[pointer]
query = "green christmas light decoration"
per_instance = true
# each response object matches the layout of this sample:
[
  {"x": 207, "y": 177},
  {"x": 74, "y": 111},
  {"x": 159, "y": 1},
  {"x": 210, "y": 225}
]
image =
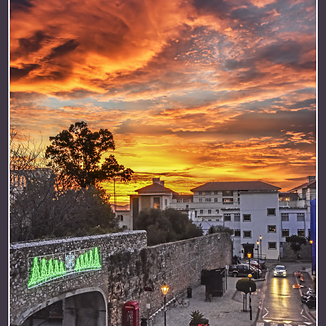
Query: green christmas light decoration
[
  {"x": 89, "y": 261},
  {"x": 44, "y": 270}
]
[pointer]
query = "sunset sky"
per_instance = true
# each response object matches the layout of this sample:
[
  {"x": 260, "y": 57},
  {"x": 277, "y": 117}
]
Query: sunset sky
[{"x": 193, "y": 91}]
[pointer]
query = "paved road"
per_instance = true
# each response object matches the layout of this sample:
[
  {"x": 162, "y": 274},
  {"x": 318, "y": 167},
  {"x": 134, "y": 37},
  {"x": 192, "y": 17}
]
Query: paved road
[{"x": 282, "y": 304}]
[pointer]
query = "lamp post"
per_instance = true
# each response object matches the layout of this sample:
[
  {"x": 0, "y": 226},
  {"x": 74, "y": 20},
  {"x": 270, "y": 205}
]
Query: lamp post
[
  {"x": 250, "y": 308},
  {"x": 260, "y": 246},
  {"x": 257, "y": 242},
  {"x": 312, "y": 258},
  {"x": 165, "y": 290},
  {"x": 249, "y": 256}
]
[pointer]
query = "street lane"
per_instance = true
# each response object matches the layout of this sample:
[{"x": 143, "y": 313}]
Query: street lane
[{"x": 282, "y": 302}]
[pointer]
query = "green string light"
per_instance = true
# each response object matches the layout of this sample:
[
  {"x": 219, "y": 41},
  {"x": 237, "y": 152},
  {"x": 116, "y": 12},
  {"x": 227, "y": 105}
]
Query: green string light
[{"x": 44, "y": 270}]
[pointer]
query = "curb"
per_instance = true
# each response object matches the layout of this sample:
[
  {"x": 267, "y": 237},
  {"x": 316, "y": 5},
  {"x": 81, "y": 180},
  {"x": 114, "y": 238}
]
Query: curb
[{"x": 305, "y": 308}]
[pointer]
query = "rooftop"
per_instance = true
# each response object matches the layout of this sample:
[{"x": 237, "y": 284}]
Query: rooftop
[{"x": 236, "y": 185}]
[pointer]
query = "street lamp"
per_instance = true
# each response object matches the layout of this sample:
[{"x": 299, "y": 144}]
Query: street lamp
[
  {"x": 260, "y": 245},
  {"x": 257, "y": 242},
  {"x": 250, "y": 308},
  {"x": 165, "y": 290},
  {"x": 312, "y": 259},
  {"x": 249, "y": 256}
]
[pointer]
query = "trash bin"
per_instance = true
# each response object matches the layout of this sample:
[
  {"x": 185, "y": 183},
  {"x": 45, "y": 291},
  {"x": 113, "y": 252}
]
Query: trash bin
[
  {"x": 214, "y": 282},
  {"x": 143, "y": 322},
  {"x": 189, "y": 292}
]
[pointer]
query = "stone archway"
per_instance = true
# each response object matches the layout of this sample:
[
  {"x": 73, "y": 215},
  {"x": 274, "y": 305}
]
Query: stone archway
[
  {"x": 83, "y": 307},
  {"x": 86, "y": 309}
]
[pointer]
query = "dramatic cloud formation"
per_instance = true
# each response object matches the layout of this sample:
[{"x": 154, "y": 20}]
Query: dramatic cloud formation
[{"x": 193, "y": 90}]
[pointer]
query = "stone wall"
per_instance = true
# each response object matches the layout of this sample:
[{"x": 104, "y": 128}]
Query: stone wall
[
  {"x": 128, "y": 266},
  {"x": 178, "y": 264}
]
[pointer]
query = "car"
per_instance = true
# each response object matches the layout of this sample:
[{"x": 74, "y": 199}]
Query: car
[
  {"x": 243, "y": 270},
  {"x": 280, "y": 270},
  {"x": 257, "y": 263}
]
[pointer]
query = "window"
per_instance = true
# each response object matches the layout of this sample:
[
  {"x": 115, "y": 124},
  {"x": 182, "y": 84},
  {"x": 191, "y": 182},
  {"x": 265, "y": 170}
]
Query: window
[
  {"x": 208, "y": 199},
  {"x": 300, "y": 217},
  {"x": 217, "y": 211},
  {"x": 272, "y": 245},
  {"x": 215, "y": 192},
  {"x": 121, "y": 217},
  {"x": 227, "y": 193},
  {"x": 271, "y": 228},
  {"x": 247, "y": 234},
  {"x": 237, "y": 233},
  {"x": 301, "y": 233},
  {"x": 215, "y": 200},
  {"x": 237, "y": 217},
  {"x": 227, "y": 200},
  {"x": 199, "y": 193},
  {"x": 271, "y": 211},
  {"x": 201, "y": 211},
  {"x": 200, "y": 200},
  {"x": 195, "y": 213},
  {"x": 285, "y": 217},
  {"x": 246, "y": 217},
  {"x": 227, "y": 217},
  {"x": 166, "y": 202},
  {"x": 209, "y": 211},
  {"x": 285, "y": 233},
  {"x": 157, "y": 202}
]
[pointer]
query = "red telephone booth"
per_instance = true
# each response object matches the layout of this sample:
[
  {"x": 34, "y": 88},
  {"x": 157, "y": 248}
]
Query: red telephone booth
[{"x": 130, "y": 314}]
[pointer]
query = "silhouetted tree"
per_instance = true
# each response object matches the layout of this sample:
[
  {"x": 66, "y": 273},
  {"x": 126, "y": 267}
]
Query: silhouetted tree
[
  {"x": 296, "y": 242},
  {"x": 41, "y": 212},
  {"x": 76, "y": 155},
  {"x": 219, "y": 228},
  {"x": 166, "y": 226},
  {"x": 39, "y": 209}
]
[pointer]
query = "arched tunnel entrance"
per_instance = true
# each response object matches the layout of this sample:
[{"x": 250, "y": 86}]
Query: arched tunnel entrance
[{"x": 84, "y": 309}]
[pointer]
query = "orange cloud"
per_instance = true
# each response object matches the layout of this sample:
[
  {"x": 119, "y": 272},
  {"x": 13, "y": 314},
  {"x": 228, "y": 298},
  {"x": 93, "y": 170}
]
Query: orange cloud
[{"x": 192, "y": 91}]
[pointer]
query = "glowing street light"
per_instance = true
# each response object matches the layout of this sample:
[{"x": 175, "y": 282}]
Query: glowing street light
[
  {"x": 249, "y": 256},
  {"x": 165, "y": 290},
  {"x": 261, "y": 249},
  {"x": 312, "y": 259}
]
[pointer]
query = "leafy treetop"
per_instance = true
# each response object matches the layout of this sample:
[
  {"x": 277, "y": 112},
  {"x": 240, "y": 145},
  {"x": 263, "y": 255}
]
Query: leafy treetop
[{"x": 76, "y": 157}]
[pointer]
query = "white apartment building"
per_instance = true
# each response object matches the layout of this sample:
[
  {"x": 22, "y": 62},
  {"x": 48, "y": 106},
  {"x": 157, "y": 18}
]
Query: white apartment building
[{"x": 255, "y": 210}]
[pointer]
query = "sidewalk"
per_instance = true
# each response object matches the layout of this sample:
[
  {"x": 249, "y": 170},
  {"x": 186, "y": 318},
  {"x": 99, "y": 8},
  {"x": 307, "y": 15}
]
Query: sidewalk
[{"x": 225, "y": 310}]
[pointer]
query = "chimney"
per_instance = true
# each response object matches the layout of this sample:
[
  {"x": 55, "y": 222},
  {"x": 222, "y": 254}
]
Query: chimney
[
  {"x": 158, "y": 181},
  {"x": 311, "y": 178}
]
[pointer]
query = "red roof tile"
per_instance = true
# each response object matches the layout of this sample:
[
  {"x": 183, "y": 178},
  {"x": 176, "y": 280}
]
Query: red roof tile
[
  {"x": 155, "y": 188},
  {"x": 305, "y": 185}
]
